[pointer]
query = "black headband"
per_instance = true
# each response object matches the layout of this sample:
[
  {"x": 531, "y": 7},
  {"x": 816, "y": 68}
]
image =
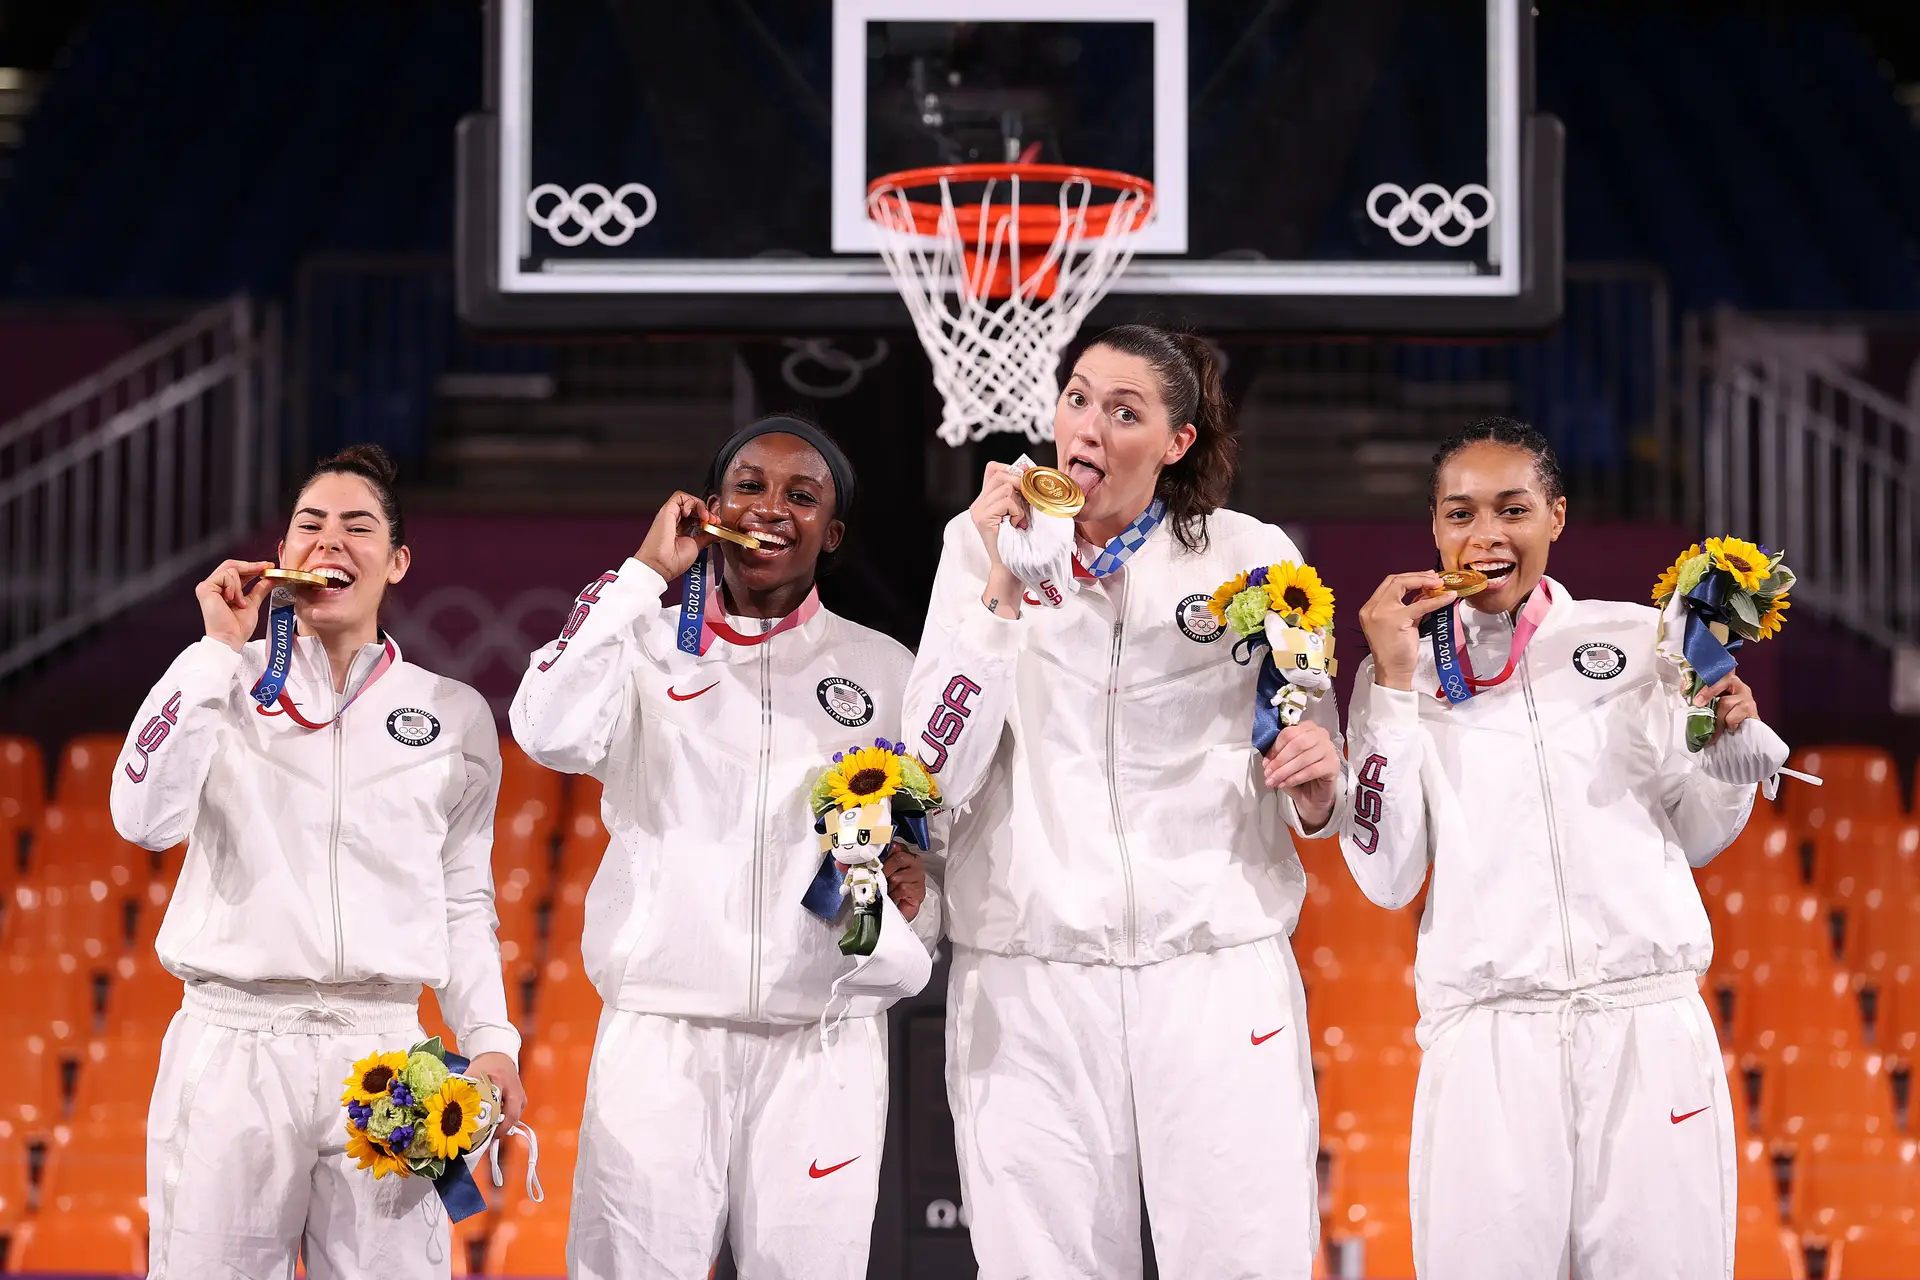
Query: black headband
[{"x": 779, "y": 424}]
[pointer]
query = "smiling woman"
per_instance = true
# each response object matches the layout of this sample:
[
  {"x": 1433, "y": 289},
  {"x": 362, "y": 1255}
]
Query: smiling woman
[
  {"x": 337, "y": 806},
  {"x": 702, "y": 681},
  {"x": 1527, "y": 748}
]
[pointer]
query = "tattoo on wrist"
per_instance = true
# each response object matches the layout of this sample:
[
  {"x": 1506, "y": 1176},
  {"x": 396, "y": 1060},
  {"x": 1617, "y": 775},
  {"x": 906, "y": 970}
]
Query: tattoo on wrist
[{"x": 993, "y": 605}]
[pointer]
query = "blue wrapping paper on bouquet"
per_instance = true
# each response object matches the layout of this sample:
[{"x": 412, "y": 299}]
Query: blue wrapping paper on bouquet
[{"x": 1712, "y": 600}]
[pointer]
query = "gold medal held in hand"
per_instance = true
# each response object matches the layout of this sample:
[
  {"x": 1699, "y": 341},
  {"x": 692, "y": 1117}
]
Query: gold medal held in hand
[
  {"x": 295, "y": 577},
  {"x": 1462, "y": 582},
  {"x": 1051, "y": 492},
  {"x": 734, "y": 536}
]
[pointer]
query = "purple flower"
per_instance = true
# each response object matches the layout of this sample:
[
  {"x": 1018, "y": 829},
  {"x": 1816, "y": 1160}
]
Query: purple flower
[
  {"x": 401, "y": 1095},
  {"x": 358, "y": 1113},
  {"x": 1257, "y": 577},
  {"x": 400, "y": 1139},
  {"x": 838, "y": 756}
]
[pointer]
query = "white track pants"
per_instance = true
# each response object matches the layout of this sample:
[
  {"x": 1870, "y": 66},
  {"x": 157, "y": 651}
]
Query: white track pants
[
  {"x": 1595, "y": 1134},
  {"x": 695, "y": 1127},
  {"x": 1071, "y": 1085},
  {"x": 246, "y": 1139}
]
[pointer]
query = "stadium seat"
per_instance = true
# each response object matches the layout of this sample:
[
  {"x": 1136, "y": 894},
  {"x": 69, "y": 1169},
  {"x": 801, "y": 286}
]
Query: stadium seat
[
  {"x": 1841, "y": 1182},
  {"x": 23, "y": 782},
  {"x": 522, "y": 854},
  {"x": 44, "y": 992},
  {"x": 527, "y": 791},
  {"x": 85, "y": 777},
  {"x": 1897, "y": 1001},
  {"x": 97, "y": 1167},
  {"x": 152, "y": 914},
  {"x": 142, "y": 997},
  {"x": 556, "y": 1078},
  {"x": 432, "y": 1021},
  {"x": 1803, "y": 1003},
  {"x": 1369, "y": 1089},
  {"x": 1863, "y": 863},
  {"x": 582, "y": 844},
  {"x": 1844, "y": 1093},
  {"x": 527, "y": 1246},
  {"x": 567, "y": 919},
  {"x": 1859, "y": 782},
  {"x": 1879, "y": 1253},
  {"x": 30, "y": 1100},
  {"x": 583, "y": 796},
  {"x": 1779, "y": 926},
  {"x": 565, "y": 1004},
  {"x": 1368, "y": 1197},
  {"x": 74, "y": 841},
  {"x": 1763, "y": 857},
  {"x": 116, "y": 1079},
  {"x": 1761, "y": 1248},
  {"x": 113, "y": 1243},
  {"x": 517, "y": 907},
  {"x": 13, "y": 1176}
]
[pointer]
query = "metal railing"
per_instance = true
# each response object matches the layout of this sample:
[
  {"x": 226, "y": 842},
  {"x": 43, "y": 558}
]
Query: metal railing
[
  {"x": 123, "y": 481},
  {"x": 1804, "y": 456}
]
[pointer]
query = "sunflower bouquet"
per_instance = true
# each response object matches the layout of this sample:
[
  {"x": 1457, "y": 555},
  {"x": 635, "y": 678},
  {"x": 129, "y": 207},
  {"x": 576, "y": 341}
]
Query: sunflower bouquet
[
  {"x": 414, "y": 1114},
  {"x": 1712, "y": 599},
  {"x": 856, "y": 803},
  {"x": 1288, "y": 610}
]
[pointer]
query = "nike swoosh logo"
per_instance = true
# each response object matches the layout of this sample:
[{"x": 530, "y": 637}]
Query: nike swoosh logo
[
  {"x": 1690, "y": 1115},
  {"x": 1260, "y": 1040},
  {"x": 815, "y": 1171},
  {"x": 689, "y": 697}
]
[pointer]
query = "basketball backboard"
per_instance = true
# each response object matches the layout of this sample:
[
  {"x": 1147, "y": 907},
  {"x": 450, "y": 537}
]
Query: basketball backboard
[{"x": 1325, "y": 165}]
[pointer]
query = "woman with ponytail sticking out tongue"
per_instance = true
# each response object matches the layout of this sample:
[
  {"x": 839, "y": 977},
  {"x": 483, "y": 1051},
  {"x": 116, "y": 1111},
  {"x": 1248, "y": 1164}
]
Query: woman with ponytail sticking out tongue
[
  {"x": 1124, "y": 1011},
  {"x": 716, "y": 1101},
  {"x": 1528, "y": 746},
  {"x": 337, "y": 802}
]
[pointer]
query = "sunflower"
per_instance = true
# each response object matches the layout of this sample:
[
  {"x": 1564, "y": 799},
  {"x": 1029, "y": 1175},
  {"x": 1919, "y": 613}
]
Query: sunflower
[
  {"x": 1224, "y": 595},
  {"x": 372, "y": 1155},
  {"x": 1774, "y": 618},
  {"x": 453, "y": 1115},
  {"x": 371, "y": 1077},
  {"x": 1670, "y": 578},
  {"x": 1297, "y": 590},
  {"x": 1747, "y": 563},
  {"x": 864, "y": 776}
]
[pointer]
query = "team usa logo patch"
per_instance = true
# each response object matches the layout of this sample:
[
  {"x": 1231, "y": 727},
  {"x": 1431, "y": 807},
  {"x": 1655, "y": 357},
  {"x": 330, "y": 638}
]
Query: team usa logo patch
[
  {"x": 845, "y": 701},
  {"x": 412, "y": 727},
  {"x": 1196, "y": 620},
  {"x": 1599, "y": 660}
]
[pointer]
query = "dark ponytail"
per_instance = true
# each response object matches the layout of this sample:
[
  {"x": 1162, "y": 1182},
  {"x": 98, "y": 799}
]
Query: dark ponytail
[
  {"x": 1190, "y": 387},
  {"x": 376, "y": 466}
]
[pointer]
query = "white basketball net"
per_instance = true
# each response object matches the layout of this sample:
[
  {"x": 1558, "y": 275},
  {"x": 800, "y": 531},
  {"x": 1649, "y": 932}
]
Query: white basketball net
[{"x": 994, "y": 359}]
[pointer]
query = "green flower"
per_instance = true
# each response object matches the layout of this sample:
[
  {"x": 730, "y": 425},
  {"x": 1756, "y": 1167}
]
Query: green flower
[
  {"x": 822, "y": 798},
  {"x": 419, "y": 1148},
  {"x": 386, "y": 1118},
  {"x": 914, "y": 779},
  {"x": 424, "y": 1074},
  {"x": 1692, "y": 571},
  {"x": 1247, "y": 612}
]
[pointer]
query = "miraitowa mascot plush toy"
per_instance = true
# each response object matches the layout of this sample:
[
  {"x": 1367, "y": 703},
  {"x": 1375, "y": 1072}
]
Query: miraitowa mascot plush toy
[
  {"x": 1286, "y": 608},
  {"x": 858, "y": 803}
]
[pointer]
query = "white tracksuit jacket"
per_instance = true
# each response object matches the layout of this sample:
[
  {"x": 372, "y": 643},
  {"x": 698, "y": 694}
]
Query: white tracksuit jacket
[
  {"x": 707, "y": 763},
  {"x": 354, "y": 854},
  {"x": 1117, "y": 809},
  {"x": 1561, "y": 811}
]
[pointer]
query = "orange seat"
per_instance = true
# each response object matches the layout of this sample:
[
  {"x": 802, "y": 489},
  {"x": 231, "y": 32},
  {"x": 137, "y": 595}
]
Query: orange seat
[
  {"x": 583, "y": 796},
  {"x": 23, "y": 781},
  {"x": 1884, "y": 940},
  {"x": 527, "y": 790},
  {"x": 1367, "y": 1172},
  {"x": 1763, "y": 857},
  {"x": 565, "y": 1003},
  {"x": 116, "y": 1080},
  {"x": 1803, "y": 1003},
  {"x": 1844, "y": 1093},
  {"x": 582, "y": 844},
  {"x": 152, "y": 913},
  {"x": 1860, "y": 1181},
  {"x": 1367, "y": 1090},
  {"x": 80, "y": 1241},
  {"x": 523, "y": 854},
  {"x": 142, "y": 998},
  {"x": 13, "y": 1177},
  {"x": 567, "y": 919},
  {"x": 99, "y": 1167},
  {"x": 527, "y": 1246},
  {"x": 556, "y": 1078},
  {"x": 30, "y": 1097},
  {"x": 1369, "y": 1006},
  {"x": 1762, "y": 1246},
  {"x": 75, "y": 842},
  {"x": 85, "y": 778},
  {"x": 45, "y": 992},
  {"x": 431, "y": 1020},
  {"x": 516, "y": 904},
  {"x": 1880, "y": 1253},
  {"x": 86, "y": 917},
  {"x": 1778, "y": 926},
  {"x": 1897, "y": 1001},
  {"x": 1859, "y": 782},
  {"x": 1868, "y": 863}
]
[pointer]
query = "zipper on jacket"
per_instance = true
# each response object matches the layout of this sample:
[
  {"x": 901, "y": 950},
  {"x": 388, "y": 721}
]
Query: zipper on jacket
[
  {"x": 759, "y": 827},
  {"x": 1546, "y": 798},
  {"x": 333, "y": 838},
  {"x": 1113, "y": 761}
]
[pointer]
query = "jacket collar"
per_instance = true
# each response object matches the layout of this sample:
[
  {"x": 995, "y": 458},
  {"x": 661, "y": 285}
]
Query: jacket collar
[
  {"x": 1485, "y": 627},
  {"x": 310, "y": 659}
]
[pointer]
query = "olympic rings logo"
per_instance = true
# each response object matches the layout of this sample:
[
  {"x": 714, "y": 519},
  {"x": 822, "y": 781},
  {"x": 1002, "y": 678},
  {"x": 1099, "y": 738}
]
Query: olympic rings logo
[
  {"x": 848, "y": 368},
  {"x": 592, "y": 207},
  {"x": 1433, "y": 210}
]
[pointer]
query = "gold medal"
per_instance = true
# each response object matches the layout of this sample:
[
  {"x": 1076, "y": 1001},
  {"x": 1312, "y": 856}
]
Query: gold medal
[
  {"x": 1051, "y": 492},
  {"x": 1462, "y": 582},
  {"x": 299, "y": 577},
  {"x": 734, "y": 536}
]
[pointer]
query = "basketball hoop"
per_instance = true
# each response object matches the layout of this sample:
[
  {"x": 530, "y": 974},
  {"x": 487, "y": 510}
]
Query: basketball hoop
[{"x": 998, "y": 287}]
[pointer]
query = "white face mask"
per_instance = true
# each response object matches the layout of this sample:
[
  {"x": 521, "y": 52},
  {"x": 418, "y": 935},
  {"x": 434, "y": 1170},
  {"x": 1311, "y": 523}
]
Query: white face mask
[{"x": 899, "y": 967}]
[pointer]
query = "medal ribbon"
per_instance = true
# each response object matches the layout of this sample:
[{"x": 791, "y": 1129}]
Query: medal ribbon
[
  {"x": 1455, "y": 668},
  {"x": 271, "y": 687},
  {"x": 697, "y": 631},
  {"x": 1129, "y": 540}
]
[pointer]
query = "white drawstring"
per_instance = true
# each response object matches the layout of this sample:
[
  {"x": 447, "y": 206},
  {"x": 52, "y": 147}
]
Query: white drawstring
[
  {"x": 533, "y": 1159},
  {"x": 319, "y": 1010},
  {"x": 1573, "y": 1004}
]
